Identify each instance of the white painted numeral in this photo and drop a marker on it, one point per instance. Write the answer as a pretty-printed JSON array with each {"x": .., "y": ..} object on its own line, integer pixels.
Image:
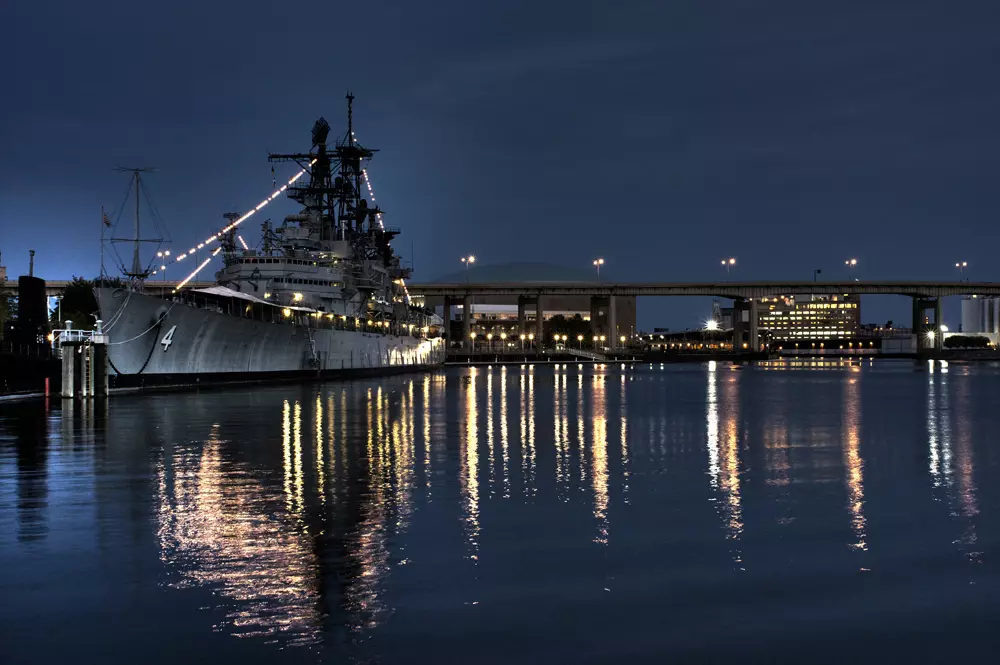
[{"x": 168, "y": 339}]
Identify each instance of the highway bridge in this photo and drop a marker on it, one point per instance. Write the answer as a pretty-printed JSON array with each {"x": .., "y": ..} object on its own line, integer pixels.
[{"x": 746, "y": 296}]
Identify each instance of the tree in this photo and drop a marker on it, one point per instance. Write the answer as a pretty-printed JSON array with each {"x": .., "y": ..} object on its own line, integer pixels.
[{"x": 78, "y": 305}]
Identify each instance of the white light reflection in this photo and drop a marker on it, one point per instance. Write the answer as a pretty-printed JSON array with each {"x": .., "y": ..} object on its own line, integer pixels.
[
  {"x": 469, "y": 461},
  {"x": 599, "y": 459},
  {"x": 854, "y": 464},
  {"x": 723, "y": 455},
  {"x": 211, "y": 532},
  {"x": 504, "y": 443}
]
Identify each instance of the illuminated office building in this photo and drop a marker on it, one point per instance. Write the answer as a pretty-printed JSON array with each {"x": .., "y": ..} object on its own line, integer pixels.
[{"x": 810, "y": 318}]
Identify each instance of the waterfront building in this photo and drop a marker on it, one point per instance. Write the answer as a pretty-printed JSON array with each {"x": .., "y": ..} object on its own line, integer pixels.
[{"x": 810, "y": 318}]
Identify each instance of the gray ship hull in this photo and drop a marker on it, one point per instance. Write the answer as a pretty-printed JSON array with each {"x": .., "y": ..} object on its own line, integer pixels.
[{"x": 157, "y": 341}]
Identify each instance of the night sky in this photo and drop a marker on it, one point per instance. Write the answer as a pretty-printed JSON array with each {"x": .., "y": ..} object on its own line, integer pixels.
[{"x": 662, "y": 136}]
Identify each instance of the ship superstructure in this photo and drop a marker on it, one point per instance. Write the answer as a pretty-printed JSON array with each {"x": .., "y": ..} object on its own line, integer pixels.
[{"x": 335, "y": 254}]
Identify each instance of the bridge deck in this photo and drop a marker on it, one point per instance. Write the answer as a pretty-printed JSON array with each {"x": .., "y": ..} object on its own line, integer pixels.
[{"x": 716, "y": 289}]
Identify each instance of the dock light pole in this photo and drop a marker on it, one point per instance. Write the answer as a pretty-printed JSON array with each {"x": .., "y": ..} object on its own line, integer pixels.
[
  {"x": 729, "y": 264},
  {"x": 472, "y": 336},
  {"x": 962, "y": 265},
  {"x": 598, "y": 263},
  {"x": 503, "y": 342},
  {"x": 531, "y": 339},
  {"x": 579, "y": 341},
  {"x": 522, "y": 341}
]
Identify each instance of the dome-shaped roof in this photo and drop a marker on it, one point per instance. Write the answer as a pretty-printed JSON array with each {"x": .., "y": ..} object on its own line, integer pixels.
[{"x": 518, "y": 272}]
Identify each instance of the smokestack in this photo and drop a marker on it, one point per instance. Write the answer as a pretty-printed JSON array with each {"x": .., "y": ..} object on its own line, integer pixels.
[{"x": 31, "y": 263}]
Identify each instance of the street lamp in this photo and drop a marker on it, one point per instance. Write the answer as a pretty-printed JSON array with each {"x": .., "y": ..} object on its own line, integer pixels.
[
  {"x": 729, "y": 264},
  {"x": 851, "y": 265},
  {"x": 472, "y": 336},
  {"x": 522, "y": 341},
  {"x": 598, "y": 263},
  {"x": 503, "y": 341},
  {"x": 489, "y": 338},
  {"x": 468, "y": 261},
  {"x": 579, "y": 341},
  {"x": 962, "y": 265},
  {"x": 711, "y": 325},
  {"x": 622, "y": 339}
]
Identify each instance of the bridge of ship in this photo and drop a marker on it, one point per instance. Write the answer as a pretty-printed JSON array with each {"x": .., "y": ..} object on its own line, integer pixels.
[{"x": 746, "y": 295}]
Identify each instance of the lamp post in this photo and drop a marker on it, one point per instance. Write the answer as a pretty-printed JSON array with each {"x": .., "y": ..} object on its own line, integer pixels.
[
  {"x": 729, "y": 264},
  {"x": 962, "y": 265},
  {"x": 472, "y": 336},
  {"x": 468, "y": 261},
  {"x": 851, "y": 265},
  {"x": 522, "y": 341},
  {"x": 164, "y": 257},
  {"x": 503, "y": 342},
  {"x": 579, "y": 341},
  {"x": 622, "y": 340},
  {"x": 489, "y": 339},
  {"x": 598, "y": 263},
  {"x": 531, "y": 339}
]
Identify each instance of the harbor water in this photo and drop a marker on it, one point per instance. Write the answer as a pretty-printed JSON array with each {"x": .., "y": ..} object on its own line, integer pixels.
[{"x": 792, "y": 511}]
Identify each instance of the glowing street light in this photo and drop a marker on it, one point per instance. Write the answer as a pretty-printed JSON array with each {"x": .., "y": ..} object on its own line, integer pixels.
[
  {"x": 962, "y": 265},
  {"x": 579, "y": 341},
  {"x": 711, "y": 325},
  {"x": 851, "y": 265},
  {"x": 468, "y": 261},
  {"x": 598, "y": 263},
  {"x": 729, "y": 264}
]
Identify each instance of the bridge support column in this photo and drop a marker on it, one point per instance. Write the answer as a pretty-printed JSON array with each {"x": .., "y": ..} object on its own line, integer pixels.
[
  {"x": 522, "y": 327},
  {"x": 754, "y": 336},
  {"x": 446, "y": 315},
  {"x": 928, "y": 335},
  {"x": 612, "y": 323},
  {"x": 938, "y": 322},
  {"x": 539, "y": 323},
  {"x": 467, "y": 322}
]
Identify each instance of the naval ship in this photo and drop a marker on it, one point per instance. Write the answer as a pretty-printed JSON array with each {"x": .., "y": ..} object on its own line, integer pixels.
[{"x": 323, "y": 295}]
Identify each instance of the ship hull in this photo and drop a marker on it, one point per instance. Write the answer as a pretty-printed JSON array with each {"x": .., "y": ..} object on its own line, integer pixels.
[{"x": 158, "y": 342}]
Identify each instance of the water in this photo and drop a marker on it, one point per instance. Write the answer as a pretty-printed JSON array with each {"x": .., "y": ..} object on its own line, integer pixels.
[{"x": 795, "y": 512}]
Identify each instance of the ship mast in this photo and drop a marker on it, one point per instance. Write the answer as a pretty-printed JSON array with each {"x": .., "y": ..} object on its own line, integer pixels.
[
  {"x": 136, "y": 266},
  {"x": 136, "y": 272}
]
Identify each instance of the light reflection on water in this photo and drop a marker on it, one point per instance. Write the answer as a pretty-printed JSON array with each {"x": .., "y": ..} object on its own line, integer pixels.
[{"x": 305, "y": 514}]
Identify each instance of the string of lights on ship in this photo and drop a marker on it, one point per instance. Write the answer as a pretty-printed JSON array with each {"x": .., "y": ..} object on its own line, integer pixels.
[{"x": 260, "y": 206}]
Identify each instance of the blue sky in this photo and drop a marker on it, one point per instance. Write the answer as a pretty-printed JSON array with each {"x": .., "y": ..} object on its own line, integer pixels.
[{"x": 661, "y": 136}]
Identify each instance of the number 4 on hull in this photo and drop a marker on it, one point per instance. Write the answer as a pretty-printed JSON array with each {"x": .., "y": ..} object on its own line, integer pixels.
[{"x": 168, "y": 339}]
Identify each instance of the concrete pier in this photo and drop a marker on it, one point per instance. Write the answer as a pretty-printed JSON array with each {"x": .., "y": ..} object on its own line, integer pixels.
[
  {"x": 539, "y": 322},
  {"x": 467, "y": 321},
  {"x": 84, "y": 355},
  {"x": 522, "y": 327}
]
